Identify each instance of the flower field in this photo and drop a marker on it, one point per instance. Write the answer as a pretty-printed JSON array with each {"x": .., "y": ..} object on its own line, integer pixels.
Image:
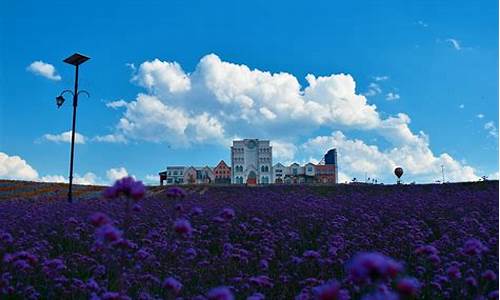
[{"x": 235, "y": 242}]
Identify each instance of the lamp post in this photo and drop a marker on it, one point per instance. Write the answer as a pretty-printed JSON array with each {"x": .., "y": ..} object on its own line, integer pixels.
[{"x": 75, "y": 60}]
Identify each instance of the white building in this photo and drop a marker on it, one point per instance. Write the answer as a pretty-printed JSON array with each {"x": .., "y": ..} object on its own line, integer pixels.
[
  {"x": 279, "y": 172},
  {"x": 175, "y": 174},
  {"x": 251, "y": 162}
]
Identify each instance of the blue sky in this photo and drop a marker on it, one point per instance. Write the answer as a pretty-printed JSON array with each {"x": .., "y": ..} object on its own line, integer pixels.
[{"x": 434, "y": 62}]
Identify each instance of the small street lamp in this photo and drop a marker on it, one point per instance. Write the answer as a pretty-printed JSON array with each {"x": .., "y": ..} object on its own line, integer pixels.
[{"x": 75, "y": 60}]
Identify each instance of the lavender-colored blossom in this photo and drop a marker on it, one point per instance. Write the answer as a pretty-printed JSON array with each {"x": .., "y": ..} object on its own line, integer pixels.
[
  {"x": 220, "y": 293},
  {"x": 108, "y": 233},
  {"x": 182, "y": 226},
  {"x": 172, "y": 285},
  {"x": 489, "y": 275},
  {"x": 373, "y": 266},
  {"x": 454, "y": 272},
  {"x": 126, "y": 186},
  {"x": 330, "y": 291},
  {"x": 408, "y": 286},
  {"x": 98, "y": 219},
  {"x": 474, "y": 247}
]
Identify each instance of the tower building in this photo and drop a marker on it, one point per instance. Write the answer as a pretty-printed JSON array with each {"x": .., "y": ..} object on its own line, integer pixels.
[{"x": 251, "y": 162}]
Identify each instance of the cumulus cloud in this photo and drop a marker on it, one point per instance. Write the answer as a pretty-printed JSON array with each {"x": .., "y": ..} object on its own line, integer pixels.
[
  {"x": 163, "y": 77},
  {"x": 14, "y": 167},
  {"x": 283, "y": 151},
  {"x": 461, "y": 106},
  {"x": 114, "y": 174},
  {"x": 65, "y": 137},
  {"x": 480, "y": 116},
  {"x": 44, "y": 69},
  {"x": 392, "y": 96},
  {"x": 455, "y": 43},
  {"x": 221, "y": 100},
  {"x": 418, "y": 161},
  {"x": 88, "y": 178}
]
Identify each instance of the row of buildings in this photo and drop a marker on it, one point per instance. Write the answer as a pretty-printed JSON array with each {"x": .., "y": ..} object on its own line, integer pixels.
[{"x": 252, "y": 163}]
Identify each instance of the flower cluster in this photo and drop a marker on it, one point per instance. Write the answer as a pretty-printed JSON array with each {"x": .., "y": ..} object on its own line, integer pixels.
[
  {"x": 275, "y": 242},
  {"x": 126, "y": 186}
]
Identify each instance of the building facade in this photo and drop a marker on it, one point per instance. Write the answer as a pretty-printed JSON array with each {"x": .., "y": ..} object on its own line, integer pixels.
[
  {"x": 175, "y": 175},
  {"x": 222, "y": 173},
  {"x": 251, "y": 162}
]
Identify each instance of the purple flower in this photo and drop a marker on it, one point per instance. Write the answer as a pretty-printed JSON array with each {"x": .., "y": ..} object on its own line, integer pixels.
[
  {"x": 127, "y": 186},
  {"x": 489, "y": 275},
  {"x": 493, "y": 295},
  {"x": 471, "y": 281},
  {"x": 220, "y": 293},
  {"x": 330, "y": 291},
  {"x": 408, "y": 286},
  {"x": 427, "y": 250},
  {"x": 228, "y": 214},
  {"x": 172, "y": 284},
  {"x": 474, "y": 247},
  {"x": 182, "y": 226},
  {"x": 454, "y": 272},
  {"x": 373, "y": 266},
  {"x": 98, "y": 219},
  {"x": 108, "y": 233}
]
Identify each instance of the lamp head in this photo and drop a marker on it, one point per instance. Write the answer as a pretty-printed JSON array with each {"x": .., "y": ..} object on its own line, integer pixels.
[{"x": 59, "y": 101}]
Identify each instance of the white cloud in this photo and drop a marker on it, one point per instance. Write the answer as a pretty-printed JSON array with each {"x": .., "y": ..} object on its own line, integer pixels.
[
  {"x": 418, "y": 161},
  {"x": 221, "y": 100},
  {"x": 162, "y": 76},
  {"x": 455, "y": 43},
  {"x": 493, "y": 176},
  {"x": 88, "y": 178},
  {"x": 114, "y": 174},
  {"x": 65, "y": 137},
  {"x": 422, "y": 23},
  {"x": 491, "y": 128},
  {"x": 110, "y": 138},
  {"x": 480, "y": 116},
  {"x": 14, "y": 167},
  {"x": 461, "y": 106},
  {"x": 381, "y": 78},
  {"x": 283, "y": 151},
  {"x": 392, "y": 96},
  {"x": 117, "y": 104},
  {"x": 373, "y": 89},
  {"x": 43, "y": 69}
]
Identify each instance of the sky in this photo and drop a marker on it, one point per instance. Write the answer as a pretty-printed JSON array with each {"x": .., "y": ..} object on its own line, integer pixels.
[{"x": 388, "y": 83}]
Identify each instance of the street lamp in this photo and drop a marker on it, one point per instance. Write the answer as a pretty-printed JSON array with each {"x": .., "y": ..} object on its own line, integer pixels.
[{"x": 75, "y": 60}]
